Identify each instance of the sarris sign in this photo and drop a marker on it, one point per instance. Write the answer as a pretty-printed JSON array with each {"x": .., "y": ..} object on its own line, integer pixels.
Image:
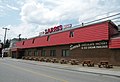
[{"x": 54, "y": 29}]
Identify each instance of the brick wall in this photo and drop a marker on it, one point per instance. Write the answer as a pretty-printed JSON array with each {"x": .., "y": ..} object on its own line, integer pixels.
[{"x": 96, "y": 55}]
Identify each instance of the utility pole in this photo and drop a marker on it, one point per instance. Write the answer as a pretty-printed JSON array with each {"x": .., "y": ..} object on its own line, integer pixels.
[{"x": 5, "y": 35}]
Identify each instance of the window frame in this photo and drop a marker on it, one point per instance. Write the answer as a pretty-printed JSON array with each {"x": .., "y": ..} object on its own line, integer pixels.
[
  {"x": 29, "y": 53},
  {"x": 43, "y": 53},
  {"x": 65, "y": 52},
  {"x": 52, "y": 53},
  {"x": 35, "y": 53}
]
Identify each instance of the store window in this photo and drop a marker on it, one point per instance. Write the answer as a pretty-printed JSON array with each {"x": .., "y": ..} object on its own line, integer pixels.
[
  {"x": 43, "y": 53},
  {"x": 35, "y": 53},
  {"x": 29, "y": 53},
  {"x": 52, "y": 52},
  {"x": 65, "y": 53}
]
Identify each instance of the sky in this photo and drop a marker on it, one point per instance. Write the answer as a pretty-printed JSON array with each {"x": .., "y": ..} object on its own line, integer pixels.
[{"x": 30, "y": 17}]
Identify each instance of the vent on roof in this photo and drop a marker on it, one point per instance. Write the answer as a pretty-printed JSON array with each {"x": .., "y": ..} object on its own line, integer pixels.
[
  {"x": 48, "y": 37},
  {"x": 23, "y": 43},
  {"x": 33, "y": 41},
  {"x": 71, "y": 34}
]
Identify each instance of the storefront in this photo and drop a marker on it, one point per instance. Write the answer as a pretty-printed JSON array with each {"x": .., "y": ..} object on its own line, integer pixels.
[{"x": 94, "y": 42}]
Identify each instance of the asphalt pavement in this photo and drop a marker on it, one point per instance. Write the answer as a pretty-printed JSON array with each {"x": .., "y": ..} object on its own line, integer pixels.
[{"x": 17, "y": 70}]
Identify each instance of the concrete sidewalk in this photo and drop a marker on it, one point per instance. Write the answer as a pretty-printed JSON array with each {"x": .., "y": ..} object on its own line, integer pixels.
[{"x": 115, "y": 71}]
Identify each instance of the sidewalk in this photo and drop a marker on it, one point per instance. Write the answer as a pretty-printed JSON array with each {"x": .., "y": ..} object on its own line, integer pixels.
[{"x": 115, "y": 71}]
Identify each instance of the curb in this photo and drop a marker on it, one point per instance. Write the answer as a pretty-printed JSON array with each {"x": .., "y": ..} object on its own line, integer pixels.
[{"x": 118, "y": 76}]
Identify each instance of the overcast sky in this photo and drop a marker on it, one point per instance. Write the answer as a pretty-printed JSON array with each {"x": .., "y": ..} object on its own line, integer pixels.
[{"x": 29, "y": 17}]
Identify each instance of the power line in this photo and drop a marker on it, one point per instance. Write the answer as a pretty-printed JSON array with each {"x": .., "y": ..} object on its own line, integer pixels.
[
  {"x": 102, "y": 18},
  {"x": 102, "y": 14},
  {"x": 117, "y": 21},
  {"x": 115, "y": 18}
]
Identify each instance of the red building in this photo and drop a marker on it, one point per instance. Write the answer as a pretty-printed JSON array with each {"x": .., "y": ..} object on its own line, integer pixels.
[{"x": 99, "y": 41}]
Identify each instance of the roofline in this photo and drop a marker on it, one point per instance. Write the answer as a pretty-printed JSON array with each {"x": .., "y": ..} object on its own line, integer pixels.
[
  {"x": 113, "y": 24},
  {"x": 74, "y": 27}
]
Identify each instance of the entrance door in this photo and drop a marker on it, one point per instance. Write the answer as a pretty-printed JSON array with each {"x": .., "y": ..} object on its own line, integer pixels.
[{"x": 20, "y": 54}]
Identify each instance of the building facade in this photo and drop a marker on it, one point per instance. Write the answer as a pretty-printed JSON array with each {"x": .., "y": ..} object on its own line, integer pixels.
[{"x": 96, "y": 42}]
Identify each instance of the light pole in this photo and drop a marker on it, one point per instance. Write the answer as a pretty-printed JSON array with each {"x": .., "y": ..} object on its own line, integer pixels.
[{"x": 5, "y": 35}]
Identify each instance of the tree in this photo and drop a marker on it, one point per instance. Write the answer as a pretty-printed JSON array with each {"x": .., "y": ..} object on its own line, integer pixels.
[{"x": 7, "y": 44}]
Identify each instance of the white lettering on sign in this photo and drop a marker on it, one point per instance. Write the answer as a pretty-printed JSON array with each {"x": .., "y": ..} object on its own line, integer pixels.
[
  {"x": 102, "y": 44},
  {"x": 67, "y": 26}
]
